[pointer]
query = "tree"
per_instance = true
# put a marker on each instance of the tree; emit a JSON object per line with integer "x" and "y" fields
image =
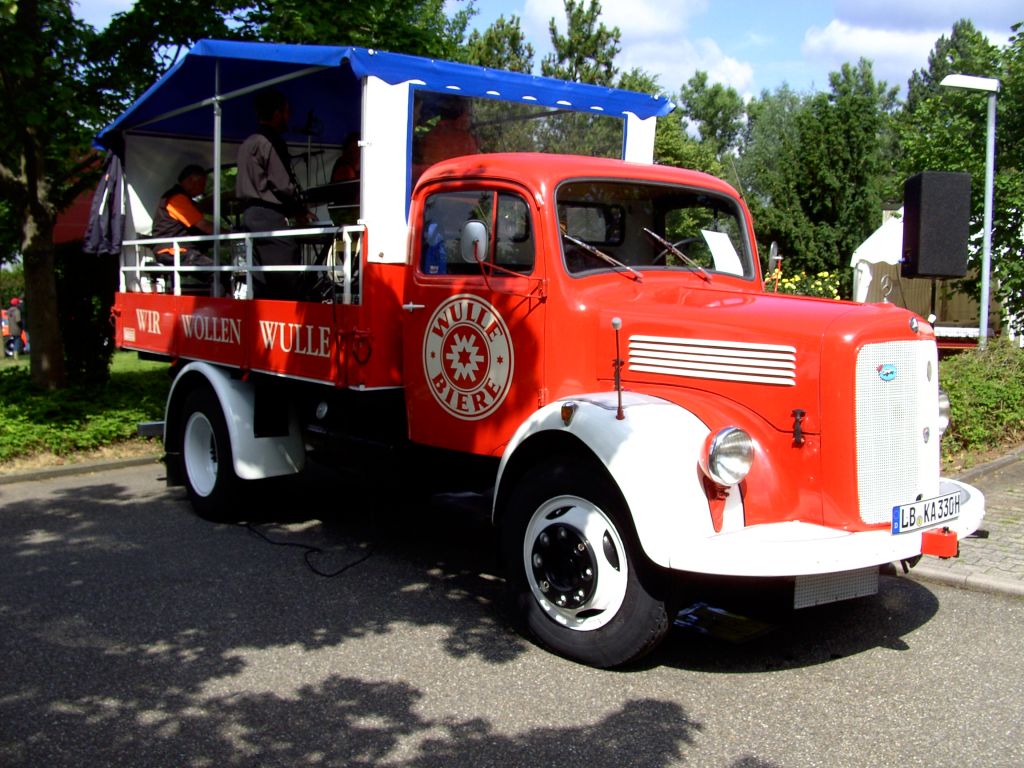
{"x": 768, "y": 161}
{"x": 818, "y": 168}
{"x": 501, "y": 46}
{"x": 717, "y": 110}
{"x": 945, "y": 129}
{"x": 966, "y": 50}
{"x": 846, "y": 143}
{"x": 44, "y": 159}
{"x": 418, "y": 27}
{"x": 672, "y": 145}
{"x": 586, "y": 52}
{"x": 141, "y": 44}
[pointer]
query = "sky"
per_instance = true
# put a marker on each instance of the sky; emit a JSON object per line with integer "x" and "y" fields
{"x": 751, "y": 45}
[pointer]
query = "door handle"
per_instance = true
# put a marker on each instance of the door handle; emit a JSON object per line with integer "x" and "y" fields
{"x": 410, "y": 307}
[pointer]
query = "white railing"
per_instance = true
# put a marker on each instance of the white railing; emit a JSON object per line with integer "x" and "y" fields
{"x": 328, "y": 254}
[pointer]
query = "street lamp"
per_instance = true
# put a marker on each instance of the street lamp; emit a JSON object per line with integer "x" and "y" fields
{"x": 991, "y": 86}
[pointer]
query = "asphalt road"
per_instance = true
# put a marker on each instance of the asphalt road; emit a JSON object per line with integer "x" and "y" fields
{"x": 134, "y": 634}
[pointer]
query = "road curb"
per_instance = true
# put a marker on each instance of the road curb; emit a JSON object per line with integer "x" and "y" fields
{"x": 980, "y": 471}
{"x": 81, "y": 468}
{"x": 973, "y": 582}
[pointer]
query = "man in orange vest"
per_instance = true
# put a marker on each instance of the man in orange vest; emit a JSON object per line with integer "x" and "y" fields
{"x": 178, "y": 216}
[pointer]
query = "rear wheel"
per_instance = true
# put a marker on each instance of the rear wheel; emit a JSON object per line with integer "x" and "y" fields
{"x": 576, "y": 576}
{"x": 210, "y": 477}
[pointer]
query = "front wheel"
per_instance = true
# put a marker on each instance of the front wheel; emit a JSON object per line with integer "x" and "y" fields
{"x": 574, "y": 571}
{"x": 210, "y": 478}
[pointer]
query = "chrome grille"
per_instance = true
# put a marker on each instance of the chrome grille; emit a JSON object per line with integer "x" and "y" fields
{"x": 895, "y": 464}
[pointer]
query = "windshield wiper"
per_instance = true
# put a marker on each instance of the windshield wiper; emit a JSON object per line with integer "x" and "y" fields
{"x": 603, "y": 256}
{"x": 675, "y": 251}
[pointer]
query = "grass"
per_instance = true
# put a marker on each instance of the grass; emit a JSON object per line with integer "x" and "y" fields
{"x": 76, "y": 420}
{"x": 986, "y": 390}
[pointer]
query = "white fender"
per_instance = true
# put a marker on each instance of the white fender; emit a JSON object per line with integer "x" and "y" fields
{"x": 652, "y": 455}
{"x": 255, "y": 458}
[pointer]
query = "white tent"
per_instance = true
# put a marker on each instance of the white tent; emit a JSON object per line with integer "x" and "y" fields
{"x": 884, "y": 246}
{"x": 877, "y": 277}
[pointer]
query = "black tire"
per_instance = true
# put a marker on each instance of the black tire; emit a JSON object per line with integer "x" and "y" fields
{"x": 577, "y": 579}
{"x": 210, "y": 479}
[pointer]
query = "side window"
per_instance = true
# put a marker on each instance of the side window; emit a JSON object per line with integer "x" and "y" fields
{"x": 505, "y": 216}
{"x": 443, "y": 218}
{"x": 513, "y": 241}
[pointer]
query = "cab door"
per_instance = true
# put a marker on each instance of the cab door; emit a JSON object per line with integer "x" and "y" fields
{"x": 473, "y": 317}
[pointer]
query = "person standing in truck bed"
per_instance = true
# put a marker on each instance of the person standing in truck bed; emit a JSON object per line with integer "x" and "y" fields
{"x": 270, "y": 196}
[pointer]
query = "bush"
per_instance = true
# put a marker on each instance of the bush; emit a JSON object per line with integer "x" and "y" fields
{"x": 986, "y": 391}
{"x": 79, "y": 418}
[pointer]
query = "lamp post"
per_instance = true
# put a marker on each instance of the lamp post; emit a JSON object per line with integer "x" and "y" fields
{"x": 991, "y": 86}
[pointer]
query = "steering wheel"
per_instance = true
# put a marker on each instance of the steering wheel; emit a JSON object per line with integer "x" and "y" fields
{"x": 677, "y": 245}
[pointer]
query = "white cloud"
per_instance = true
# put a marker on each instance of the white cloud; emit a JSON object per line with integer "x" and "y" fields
{"x": 654, "y": 38}
{"x": 893, "y": 53}
{"x": 639, "y": 19}
{"x": 676, "y": 61}
{"x": 930, "y": 15}
{"x": 897, "y": 37}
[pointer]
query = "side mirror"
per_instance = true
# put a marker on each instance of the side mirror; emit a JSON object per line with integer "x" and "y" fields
{"x": 474, "y": 241}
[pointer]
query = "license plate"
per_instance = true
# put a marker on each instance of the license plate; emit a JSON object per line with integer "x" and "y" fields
{"x": 925, "y": 513}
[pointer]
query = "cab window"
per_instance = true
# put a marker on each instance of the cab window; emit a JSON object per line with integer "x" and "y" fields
{"x": 505, "y": 217}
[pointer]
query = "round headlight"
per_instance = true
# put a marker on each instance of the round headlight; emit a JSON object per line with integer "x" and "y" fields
{"x": 727, "y": 456}
{"x": 945, "y": 410}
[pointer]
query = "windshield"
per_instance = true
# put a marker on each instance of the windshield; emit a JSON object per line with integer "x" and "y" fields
{"x": 651, "y": 227}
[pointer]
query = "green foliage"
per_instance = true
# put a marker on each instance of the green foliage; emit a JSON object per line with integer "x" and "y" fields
{"x": 501, "y": 46}
{"x": 417, "y": 27}
{"x": 79, "y": 418}
{"x": 12, "y": 283}
{"x": 717, "y": 110}
{"x": 141, "y": 44}
{"x": 817, "y": 168}
{"x": 586, "y": 52}
{"x": 946, "y": 129}
{"x": 986, "y": 391}
{"x": 965, "y": 51}
{"x": 10, "y": 234}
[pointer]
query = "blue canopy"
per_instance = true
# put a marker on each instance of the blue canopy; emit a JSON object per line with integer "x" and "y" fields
{"x": 324, "y": 89}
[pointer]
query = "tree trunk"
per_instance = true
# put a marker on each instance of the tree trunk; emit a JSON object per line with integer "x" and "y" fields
{"x": 45, "y": 340}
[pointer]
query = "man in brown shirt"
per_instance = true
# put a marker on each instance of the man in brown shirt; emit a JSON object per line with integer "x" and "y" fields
{"x": 270, "y": 196}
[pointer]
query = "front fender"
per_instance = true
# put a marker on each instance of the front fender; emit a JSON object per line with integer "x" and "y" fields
{"x": 254, "y": 457}
{"x": 651, "y": 455}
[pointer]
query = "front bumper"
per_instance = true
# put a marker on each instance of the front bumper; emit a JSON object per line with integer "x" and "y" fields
{"x": 795, "y": 548}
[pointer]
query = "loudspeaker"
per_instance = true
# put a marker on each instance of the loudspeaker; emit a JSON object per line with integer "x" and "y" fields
{"x": 936, "y": 224}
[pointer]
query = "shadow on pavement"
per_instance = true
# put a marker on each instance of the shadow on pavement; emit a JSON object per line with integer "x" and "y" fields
{"x": 128, "y": 624}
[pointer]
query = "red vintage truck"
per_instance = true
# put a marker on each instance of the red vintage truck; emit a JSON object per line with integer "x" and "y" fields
{"x": 579, "y": 333}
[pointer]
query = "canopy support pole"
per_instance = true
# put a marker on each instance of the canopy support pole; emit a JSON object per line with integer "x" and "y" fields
{"x": 216, "y": 176}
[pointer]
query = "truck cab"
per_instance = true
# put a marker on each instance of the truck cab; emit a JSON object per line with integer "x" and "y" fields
{"x": 584, "y": 335}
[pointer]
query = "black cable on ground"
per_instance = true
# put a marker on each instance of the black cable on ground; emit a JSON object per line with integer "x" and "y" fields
{"x": 309, "y": 551}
